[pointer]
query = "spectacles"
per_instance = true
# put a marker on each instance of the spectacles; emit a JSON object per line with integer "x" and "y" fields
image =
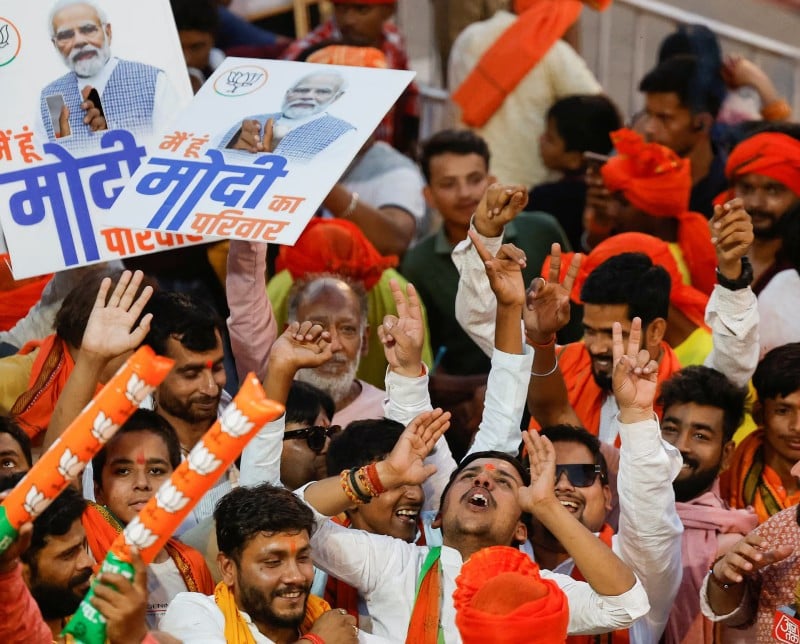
{"x": 580, "y": 474}
{"x": 315, "y": 436}
{"x": 65, "y": 35}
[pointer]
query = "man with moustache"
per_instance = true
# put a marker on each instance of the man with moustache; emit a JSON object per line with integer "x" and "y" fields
{"x": 764, "y": 170}
{"x": 302, "y": 128}
{"x": 265, "y": 560}
{"x": 132, "y": 95}
{"x": 702, "y": 410}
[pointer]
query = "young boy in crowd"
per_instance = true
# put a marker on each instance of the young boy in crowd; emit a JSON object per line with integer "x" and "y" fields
{"x": 575, "y": 124}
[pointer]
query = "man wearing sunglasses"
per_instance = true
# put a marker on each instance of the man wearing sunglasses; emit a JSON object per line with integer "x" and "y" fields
{"x": 100, "y": 91}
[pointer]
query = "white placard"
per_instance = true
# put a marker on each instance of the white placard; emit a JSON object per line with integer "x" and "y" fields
{"x": 196, "y": 184}
{"x": 58, "y": 178}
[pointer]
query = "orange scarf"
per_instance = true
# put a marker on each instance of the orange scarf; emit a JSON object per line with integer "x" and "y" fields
{"x": 748, "y": 481}
{"x": 585, "y": 396}
{"x": 519, "y": 49}
{"x": 236, "y": 628}
{"x": 51, "y": 369}
{"x": 424, "y": 627}
{"x": 18, "y": 296}
{"x": 617, "y": 637}
{"x": 102, "y": 528}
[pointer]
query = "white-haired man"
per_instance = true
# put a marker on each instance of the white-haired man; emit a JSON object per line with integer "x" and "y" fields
{"x": 100, "y": 91}
{"x": 303, "y": 128}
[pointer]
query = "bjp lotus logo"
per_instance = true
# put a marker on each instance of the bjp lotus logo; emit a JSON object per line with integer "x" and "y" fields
{"x": 136, "y": 534}
{"x": 170, "y": 498}
{"x": 234, "y": 422}
{"x": 10, "y": 41}
{"x": 202, "y": 460}
{"x": 137, "y": 389}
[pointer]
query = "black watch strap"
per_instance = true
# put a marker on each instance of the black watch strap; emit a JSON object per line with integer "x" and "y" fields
{"x": 743, "y": 281}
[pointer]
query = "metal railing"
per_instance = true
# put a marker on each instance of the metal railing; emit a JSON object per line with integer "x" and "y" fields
{"x": 638, "y": 41}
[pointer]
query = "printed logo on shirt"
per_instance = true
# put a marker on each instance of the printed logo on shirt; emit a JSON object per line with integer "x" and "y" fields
{"x": 10, "y": 41}
{"x": 241, "y": 81}
{"x": 785, "y": 628}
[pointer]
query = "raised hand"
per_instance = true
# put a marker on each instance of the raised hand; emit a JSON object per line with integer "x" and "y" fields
{"x": 499, "y": 205}
{"x": 250, "y": 138}
{"x": 504, "y": 271}
{"x": 546, "y": 309}
{"x": 405, "y": 463}
{"x": 301, "y": 345}
{"x": 635, "y": 376}
{"x": 732, "y": 236}
{"x": 542, "y": 457}
{"x": 403, "y": 335}
{"x": 746, "y": 558}
{"x": 123, "y": 602}
{"x": 112, "y": 329}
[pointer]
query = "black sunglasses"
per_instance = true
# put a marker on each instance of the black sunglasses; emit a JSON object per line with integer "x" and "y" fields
{"x": 580, "y": 474}
{"x": 315, "y": 436}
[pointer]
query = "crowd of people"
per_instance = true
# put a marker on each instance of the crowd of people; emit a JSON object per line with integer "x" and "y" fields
{"x": 541, "y": 371}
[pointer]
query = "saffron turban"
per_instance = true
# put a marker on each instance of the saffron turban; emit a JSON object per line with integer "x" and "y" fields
{"x": 334, "y": 246}
{"x": 500, "y": 597}
{"x": 687, "y": 299}
{"x": 518, "y": 50}
{"x": 659, "y": 183}
{"x": 652, "y": 177}
{"x": 771, "y": 154}
{"x": 349, "y": 56}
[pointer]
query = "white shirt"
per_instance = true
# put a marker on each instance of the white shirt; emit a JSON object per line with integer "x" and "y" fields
{"x": 732, "y": 316}
{"x": 164, "y": 582}
{"x": 779, "y": 308}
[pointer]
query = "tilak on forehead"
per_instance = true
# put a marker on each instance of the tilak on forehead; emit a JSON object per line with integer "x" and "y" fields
{"x": 490, "y": 467}
{"x": 209, "y": 364}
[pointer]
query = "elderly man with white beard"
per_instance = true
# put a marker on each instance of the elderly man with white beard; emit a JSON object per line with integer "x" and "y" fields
{"x": 100, "y": 91}
{"x": 340, "y": 306}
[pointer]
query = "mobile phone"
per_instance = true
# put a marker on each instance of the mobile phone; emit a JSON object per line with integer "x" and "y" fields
{"x": 94, "y": 97}
{"x": 594, "y": 161}
{"x": 54, "y": 104}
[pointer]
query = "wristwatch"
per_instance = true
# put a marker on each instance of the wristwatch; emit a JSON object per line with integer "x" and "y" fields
{"x": 743, "y": 281}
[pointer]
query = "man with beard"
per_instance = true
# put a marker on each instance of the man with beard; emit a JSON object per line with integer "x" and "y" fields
{"x": 265, "y": 559}
{"x": 132, "y": 95}
{"x": 340, "y": 307}
{"x": 764, "y": 170}
{"x": 55, "y": 572}
{"x": 302, "y": 128}
{"x": 760, "y": 473}
{"x": 702, "y": 410}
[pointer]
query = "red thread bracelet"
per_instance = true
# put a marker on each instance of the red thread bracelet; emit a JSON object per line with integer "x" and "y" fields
{"x": 536, "y": 345}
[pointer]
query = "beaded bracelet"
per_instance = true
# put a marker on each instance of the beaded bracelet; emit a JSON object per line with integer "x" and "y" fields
{"x": 344, "y": 479}
{"x": 365, "y": 497}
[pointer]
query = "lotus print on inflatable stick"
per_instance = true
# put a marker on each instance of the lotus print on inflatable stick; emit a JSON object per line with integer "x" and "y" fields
{"x": 68, "y": 456}
{"x": 165, "y": 511}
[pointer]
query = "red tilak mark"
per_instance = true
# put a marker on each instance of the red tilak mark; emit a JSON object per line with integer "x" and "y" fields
{"x": 489, "y": 467}
{"x": 209, "y": 364}
{"x": 140, "y": 458}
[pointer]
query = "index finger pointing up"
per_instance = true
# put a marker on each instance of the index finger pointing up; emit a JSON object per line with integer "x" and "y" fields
{"x": 484, "y": 254}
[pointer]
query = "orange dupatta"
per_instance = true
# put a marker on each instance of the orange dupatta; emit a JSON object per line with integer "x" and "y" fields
{"x": 518, "y": 50}
{"x": 585, "y": 397}
{"x": 102, "y": 529}
{"x": 749, "y": 481}
{"x": 424, "y": 626}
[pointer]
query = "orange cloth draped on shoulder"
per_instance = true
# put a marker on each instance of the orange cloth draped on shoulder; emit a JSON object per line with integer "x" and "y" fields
{"x": 237, "y": 630}
{"x": 102, "y": 529}
{"x": 687, "y": 299}
{"x": 749, "y": 482}
{"x": 349, "y": 56}
{"x": 585, "y": 396}
{"x": 773, "y": 155}
{"x": 616, "y": 637}
{"x": 51, "y": 369}
{"x": 501, "y": 597}
{"x": 17, "y": 296}
{"x": 658, "y": 182}
{"x": 540, "y": 23}
{"x": 334, "y": 246}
